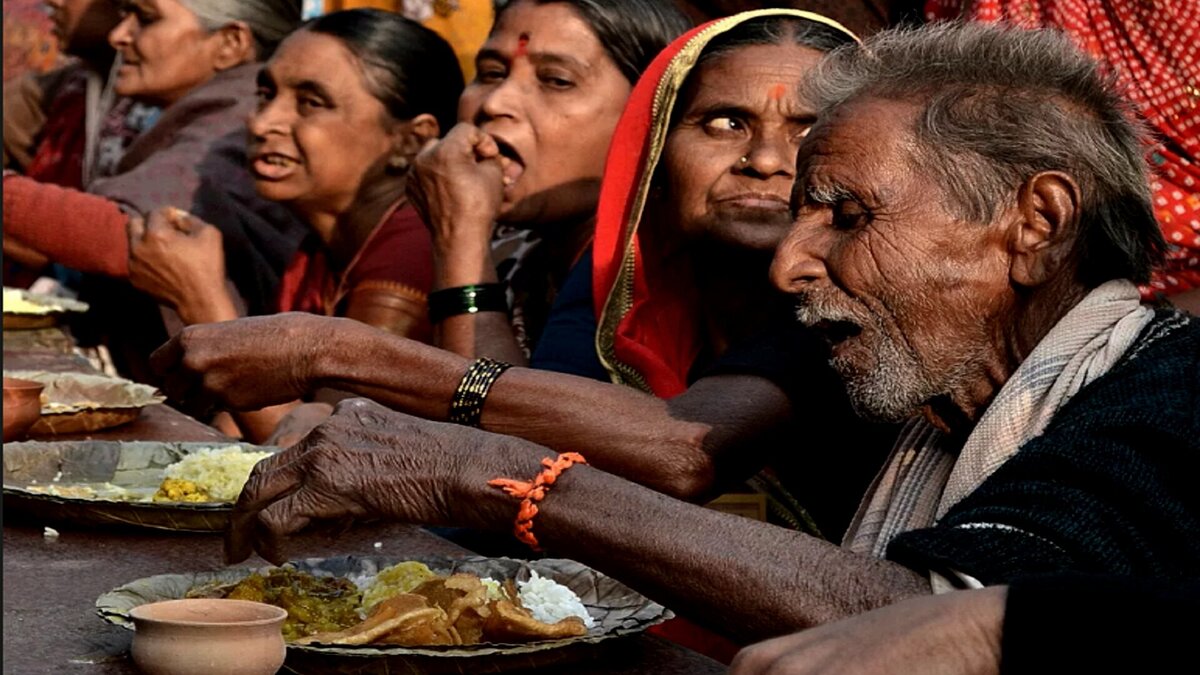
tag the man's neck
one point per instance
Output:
(1034, 312)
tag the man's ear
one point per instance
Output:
(1046, 224)
(234, 45)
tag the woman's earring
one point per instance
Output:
(398, 163)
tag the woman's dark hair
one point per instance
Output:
(408, 67)
(632, 32)
(776, 30)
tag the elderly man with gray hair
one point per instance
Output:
(971, 214)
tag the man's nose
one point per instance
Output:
(800, 257)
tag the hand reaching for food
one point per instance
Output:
(246, 364)
(370, 462)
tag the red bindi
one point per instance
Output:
(522, 45)
(777, 91)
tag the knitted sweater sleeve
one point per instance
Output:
(1098, 624)
(76, 229)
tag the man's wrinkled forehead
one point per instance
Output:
(857, 143)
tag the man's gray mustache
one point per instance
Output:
(812, 309)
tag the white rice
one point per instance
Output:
(550, 601)
(221, 471)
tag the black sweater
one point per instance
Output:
(1087, 624)
(1111, 487)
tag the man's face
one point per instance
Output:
(909, 296)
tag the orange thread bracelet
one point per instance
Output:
(534, 491)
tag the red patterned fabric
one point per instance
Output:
(1153, 46)
(29, 44)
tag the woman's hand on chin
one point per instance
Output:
(180, 261)
(246, 364)
(457, 185)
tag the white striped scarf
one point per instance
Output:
(925, 475)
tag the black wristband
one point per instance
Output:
(450, 302)
(466, 407)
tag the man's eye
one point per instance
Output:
(848, 215)
(724, 123)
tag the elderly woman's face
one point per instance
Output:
(166, 51)
(318, 131)
(908, 295)
(729, 161)
(551, 96)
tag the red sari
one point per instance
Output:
(1151, 48)
(396, 258)
(649, 318)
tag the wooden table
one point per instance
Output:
(51, 584)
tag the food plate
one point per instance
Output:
(132, 469)
(81, 402)
(24, 310)
(616, 609)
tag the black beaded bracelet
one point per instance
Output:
(450, 302)
(466, 407)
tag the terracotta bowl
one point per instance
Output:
(22, 407)
(197, 636)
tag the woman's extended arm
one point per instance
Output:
(77, 229)
(721, 426)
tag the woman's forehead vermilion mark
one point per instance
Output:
(777, 91)
(522, 45)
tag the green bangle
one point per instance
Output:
(466, 407)
(473, 299)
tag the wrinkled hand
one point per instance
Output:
(364, 462)
(246, 364)
(298, 422)
(457, 185)
(179, 260)
(951, 634)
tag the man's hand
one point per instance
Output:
(369, 462)
(246, 364)
(951, 634)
